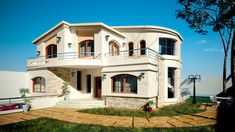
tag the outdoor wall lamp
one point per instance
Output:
(69, 45)
(73, 74)
(107, 37)
(104, 76)
(38, 53)
(58, 39)
(142, 75)
(194, 78)
(123, 44)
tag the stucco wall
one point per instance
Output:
(51, 39)
(152, 40)
(56, 76)
(11, 82)
(146, 87)
(73, 83)
(112, 37)
(177, 65)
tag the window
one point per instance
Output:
(130, 46)
(124, 83)
(113, 48)
(171, 82)
(167, 46)
(142, 47)
(39, 84)
(86, 48)
(51, 51)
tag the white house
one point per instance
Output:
(124, 65)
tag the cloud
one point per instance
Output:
(214, 49)
(203, 41)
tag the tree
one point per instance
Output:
(204, 14)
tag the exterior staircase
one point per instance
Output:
(83, 103)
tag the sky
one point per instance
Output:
(21, 21)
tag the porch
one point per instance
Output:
(83, 83)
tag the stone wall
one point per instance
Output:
(127, 102)
(161, 92)
(56, 78)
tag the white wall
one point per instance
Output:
(208, 87)
(11, 82)
(73, 83)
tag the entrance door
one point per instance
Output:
(88, 83)
(79, 80)
(98, 87)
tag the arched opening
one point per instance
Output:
(124, 83)
(113, 48)
(86, 48)
(51, 51)
(131, 48)
(142, 47)
(39, 84)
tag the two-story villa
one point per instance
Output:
(124, 65)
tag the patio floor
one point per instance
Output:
(71, 115)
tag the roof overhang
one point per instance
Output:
(99, 24)
(148, 28)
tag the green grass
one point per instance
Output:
(172, 110)
(52, 125)
(199, 99)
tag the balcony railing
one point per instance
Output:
(54, 58)
(185, 91)
(69, 55)
(146, 52)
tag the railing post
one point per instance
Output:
(124, 55)
(147, 52)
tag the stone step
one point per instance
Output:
(81, 103)
(80, 106)
(68, 104)
(84, 102)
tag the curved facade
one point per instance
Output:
(126, 65)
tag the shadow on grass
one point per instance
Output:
(185, 108)
(47, 124)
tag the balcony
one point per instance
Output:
(70, 59)
(135, 56)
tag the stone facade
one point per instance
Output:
(56, 78)
(161, 94)
(127, 102)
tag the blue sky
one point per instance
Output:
(21, 21)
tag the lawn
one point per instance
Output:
(172, 110)
(52, 125)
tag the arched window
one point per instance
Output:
(166, 46)
(51, 51)
(131, 49)
(124, 83)
(39, 84)
(86, 48)
(142, 47)
(113, 48)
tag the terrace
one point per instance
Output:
(66, 60)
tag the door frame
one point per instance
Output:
(96, 88)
